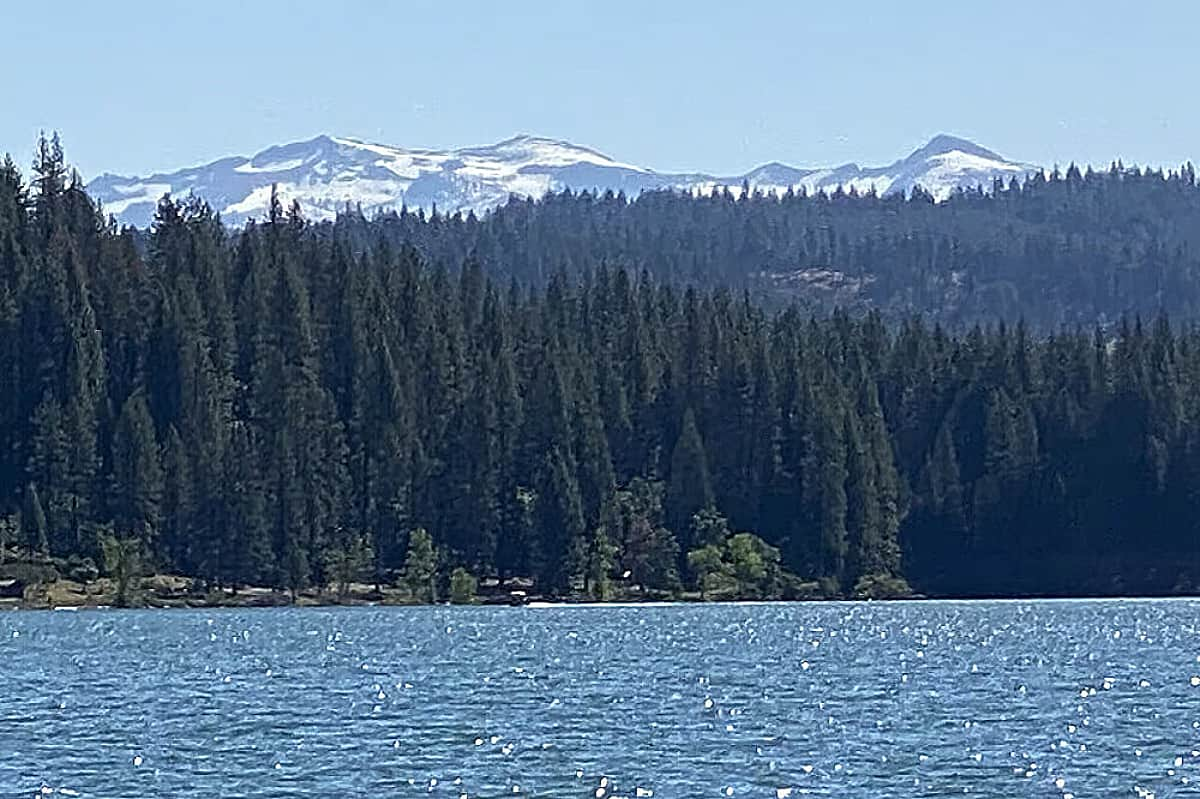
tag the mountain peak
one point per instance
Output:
(325, 173)
(528, 143)
(322, 139)
(945, 143)
(529, 138)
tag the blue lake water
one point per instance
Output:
(1039, 699)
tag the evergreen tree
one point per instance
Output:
(251, 554)
(862, 505)
(178, 505)
(33, 523)
(49, 467)
(463, 586)
(823, 495)
(882, 555)
(690, 489)
(123, 562)
(420, 567)
(346, 561)
(560, 519)
(600, 561)
(137, 479)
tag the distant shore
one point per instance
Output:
(73, 598)
(174, 591)
(163, 592)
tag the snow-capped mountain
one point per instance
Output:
(327, 173)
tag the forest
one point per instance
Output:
(597, 396)
(1069, 248)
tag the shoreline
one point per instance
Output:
(282, 602)
(163, 591)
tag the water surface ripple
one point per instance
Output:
(1038, 699)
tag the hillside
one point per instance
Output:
(1072, 248)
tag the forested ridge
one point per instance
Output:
(1071, 247)
(294, 404)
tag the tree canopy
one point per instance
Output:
(294, 404)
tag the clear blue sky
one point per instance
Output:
(722, 86)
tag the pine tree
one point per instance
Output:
(863, 521)
(178, 505)
(33, 523)
(420, 567)
(251, 554)
(938, 527)
(883, 557)
(596, 475)
(13, 277)
(690, 489)
(135, 499)
(123, 562)
(600, 560)
(463, 586)
(824, 485)
(560, 519)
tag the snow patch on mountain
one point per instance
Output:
(278, 166)
(326, 174)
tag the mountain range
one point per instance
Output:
(327, 173)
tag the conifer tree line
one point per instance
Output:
(1065, 248)
(274, 405)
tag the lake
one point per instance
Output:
(1039, 699)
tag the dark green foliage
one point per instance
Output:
(742, 564)
(648, 552)
(1051, 250)
(309, 405)
(690, 490)
(709, 528)
(10, 527)
(347, 561)
(600, 562)
(33, 523)
(755, 566)
(559, 516)
(135, 499)
(710, 572)
(881, 586)
(463, 586)
(420, 566)
(123, 563)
